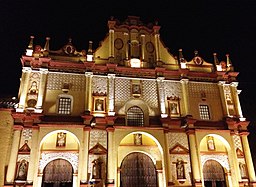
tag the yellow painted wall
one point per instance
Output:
(50, 143)
(51, 97)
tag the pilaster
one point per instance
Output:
(194, 157)
(24, 83)
(248, 157)
(184, 86)
(41, 91)
(161, 94)
(88, 98)
(13, 157)
(111, 94)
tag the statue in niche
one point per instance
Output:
(99, 105)
(242, 170)
(96, 168)
(61, 139)
(180, 169)
(138, 139)
(22, 170)
(33, 88)
(174, 109)
(210, 143)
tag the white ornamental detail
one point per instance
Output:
(48, 157)
(23, 157)
(222, 159)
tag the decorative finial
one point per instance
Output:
(228, 61)
(90, 54)
(196, 53)
(46, 46)
(181, 58)
(90, 47)
(30, 46)
(216, 61)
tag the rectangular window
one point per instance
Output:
(204, 112)
(64, 106)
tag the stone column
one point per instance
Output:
(157, 42)
(111, 43)
(24, 83)
(126, 46)
(194, 156)
(39, 180)
(111, 94)
(41, 90)
(110, 169)
(33, 155)
(88, 98)
(84, 160)
(222, 96)
(143, 47)
(248, 157)
(13, 156)
(161, 94)
(167, 156)
(235, 93)
(234, 134)
(185, 95)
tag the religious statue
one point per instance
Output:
(22, 171)
(99, 105)
(180, 169)
(61, 139)
(96, 169)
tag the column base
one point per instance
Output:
(252, 184)
(198, 184)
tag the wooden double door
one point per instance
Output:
(58, 173)
(138, 170)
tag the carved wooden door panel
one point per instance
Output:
(214, 175)
(138, 170)
(58, 173)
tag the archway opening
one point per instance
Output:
(214, 175)
(58, 173)
(138, 170)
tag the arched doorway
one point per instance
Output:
(214, 175)
(138, 170)
(58, 173)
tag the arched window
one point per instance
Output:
(135, 116)
(64, 103)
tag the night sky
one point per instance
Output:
(224, 27)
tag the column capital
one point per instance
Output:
(221, 83)
(111, 75)
(26, 69)
(88, 74)
(160, 78)
(87, 128)
(244, 133)
(234, 84)
(190, 132)
(44, 70)
(110, 129)
(184, 81)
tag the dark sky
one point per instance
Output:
(227, 26)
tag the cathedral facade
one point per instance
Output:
(128, 113)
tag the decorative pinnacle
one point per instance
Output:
(46, 46)
(216, 61)
(30, 46)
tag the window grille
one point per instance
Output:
(204, 112)
(135, 117)
(64, 105)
